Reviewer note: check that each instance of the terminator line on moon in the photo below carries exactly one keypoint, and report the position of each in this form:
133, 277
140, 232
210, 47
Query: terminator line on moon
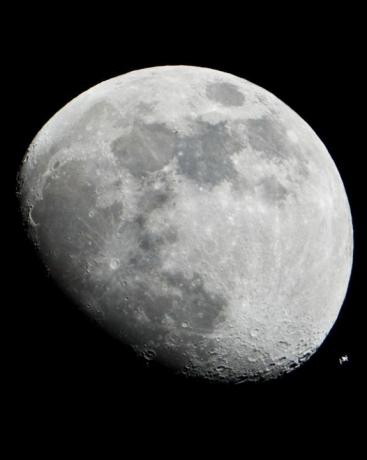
194, 215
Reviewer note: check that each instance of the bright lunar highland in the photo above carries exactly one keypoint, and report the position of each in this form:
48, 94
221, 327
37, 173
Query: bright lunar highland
196, 217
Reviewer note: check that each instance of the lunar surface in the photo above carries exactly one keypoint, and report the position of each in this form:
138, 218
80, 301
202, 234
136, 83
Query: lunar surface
196, 217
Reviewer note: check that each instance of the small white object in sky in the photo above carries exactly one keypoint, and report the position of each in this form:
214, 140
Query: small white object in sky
343, 359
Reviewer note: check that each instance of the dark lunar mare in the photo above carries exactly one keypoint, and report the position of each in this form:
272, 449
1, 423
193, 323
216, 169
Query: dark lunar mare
203, 156
225, 93
269, 137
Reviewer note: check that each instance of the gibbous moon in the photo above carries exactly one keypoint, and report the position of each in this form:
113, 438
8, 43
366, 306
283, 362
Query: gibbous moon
196, 217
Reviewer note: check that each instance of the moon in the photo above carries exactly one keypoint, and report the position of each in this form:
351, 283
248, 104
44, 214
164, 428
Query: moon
196, 217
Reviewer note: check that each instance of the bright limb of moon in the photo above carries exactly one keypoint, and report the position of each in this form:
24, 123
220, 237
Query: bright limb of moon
196, 216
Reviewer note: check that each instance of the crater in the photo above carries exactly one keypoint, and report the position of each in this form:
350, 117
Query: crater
226, 94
